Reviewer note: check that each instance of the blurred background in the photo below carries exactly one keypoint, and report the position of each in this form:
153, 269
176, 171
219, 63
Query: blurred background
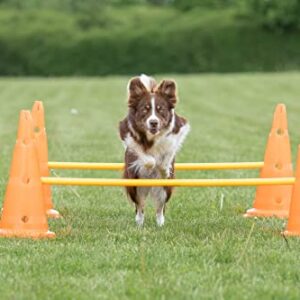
90, 37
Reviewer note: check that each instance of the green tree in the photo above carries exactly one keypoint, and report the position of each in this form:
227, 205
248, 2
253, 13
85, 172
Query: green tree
276, 14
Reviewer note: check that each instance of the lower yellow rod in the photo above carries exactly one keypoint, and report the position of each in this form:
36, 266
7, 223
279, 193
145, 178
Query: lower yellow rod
169, 182
178, 166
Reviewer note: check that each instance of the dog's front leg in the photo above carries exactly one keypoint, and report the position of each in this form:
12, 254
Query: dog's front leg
165, 167
148, 161
143, 161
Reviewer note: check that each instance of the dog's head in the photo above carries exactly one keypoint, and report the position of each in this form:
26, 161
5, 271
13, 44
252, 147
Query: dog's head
151, 106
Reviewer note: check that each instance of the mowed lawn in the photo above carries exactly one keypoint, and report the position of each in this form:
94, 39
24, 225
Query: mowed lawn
206, 250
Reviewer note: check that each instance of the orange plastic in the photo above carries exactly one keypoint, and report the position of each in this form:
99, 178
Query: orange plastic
274, 201
42, 147
23, 212
293, 225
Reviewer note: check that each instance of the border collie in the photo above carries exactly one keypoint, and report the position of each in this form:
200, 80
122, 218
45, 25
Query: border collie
152, 134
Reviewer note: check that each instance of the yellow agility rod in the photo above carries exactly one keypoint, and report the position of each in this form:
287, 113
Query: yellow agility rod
168, 182
178, 166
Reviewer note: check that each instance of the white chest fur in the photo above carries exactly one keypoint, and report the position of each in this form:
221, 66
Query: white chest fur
161, 154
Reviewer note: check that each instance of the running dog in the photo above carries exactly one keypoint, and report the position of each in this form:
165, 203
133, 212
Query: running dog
152, 134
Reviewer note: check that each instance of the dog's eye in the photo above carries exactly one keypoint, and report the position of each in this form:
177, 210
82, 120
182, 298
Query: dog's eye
159, 108
146, 109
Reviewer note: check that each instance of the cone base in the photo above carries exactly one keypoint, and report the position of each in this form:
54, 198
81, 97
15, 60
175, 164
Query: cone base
53, 214
254, 212
291, 233
34, 234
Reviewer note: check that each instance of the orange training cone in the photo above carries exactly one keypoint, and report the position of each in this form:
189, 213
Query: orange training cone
293, 225
23, 212
274, 201
42, 148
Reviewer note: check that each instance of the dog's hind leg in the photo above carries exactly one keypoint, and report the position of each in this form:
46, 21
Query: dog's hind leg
137, 195
141, 194
160, 197
160, 217
139, 212
139, 207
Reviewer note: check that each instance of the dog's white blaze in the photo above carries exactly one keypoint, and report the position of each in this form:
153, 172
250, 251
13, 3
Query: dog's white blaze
153, 116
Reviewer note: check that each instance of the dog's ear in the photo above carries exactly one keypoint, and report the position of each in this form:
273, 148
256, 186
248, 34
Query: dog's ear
136, 90
167, 89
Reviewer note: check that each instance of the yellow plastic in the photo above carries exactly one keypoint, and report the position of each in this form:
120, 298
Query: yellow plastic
178, 166
168, 182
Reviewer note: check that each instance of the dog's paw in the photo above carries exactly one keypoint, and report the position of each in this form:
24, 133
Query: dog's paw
160, 220
165, 173
139, 219
149, 162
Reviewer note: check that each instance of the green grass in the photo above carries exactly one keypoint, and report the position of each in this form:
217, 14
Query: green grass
204, 251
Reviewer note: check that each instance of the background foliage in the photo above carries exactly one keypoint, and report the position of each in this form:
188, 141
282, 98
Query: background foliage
276, 14
72, 37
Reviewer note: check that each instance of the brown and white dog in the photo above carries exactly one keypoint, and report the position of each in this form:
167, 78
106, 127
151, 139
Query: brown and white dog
152, 134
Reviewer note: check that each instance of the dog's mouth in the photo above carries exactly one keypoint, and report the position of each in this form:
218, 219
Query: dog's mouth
153, 130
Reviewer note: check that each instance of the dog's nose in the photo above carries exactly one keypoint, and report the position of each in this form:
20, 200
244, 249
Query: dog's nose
153, 123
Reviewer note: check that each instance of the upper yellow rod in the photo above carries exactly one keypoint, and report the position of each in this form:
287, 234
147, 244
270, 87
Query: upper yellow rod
169, 182
178, 166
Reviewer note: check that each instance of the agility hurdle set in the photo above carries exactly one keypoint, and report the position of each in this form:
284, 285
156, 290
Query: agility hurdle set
28, 199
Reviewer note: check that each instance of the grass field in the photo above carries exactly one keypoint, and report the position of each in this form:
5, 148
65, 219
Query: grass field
206, 250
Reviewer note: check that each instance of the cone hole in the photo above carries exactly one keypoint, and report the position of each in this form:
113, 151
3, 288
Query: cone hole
278, 200
25, 219
280, 131
36, 129
26, 180
26, 141
278, 166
